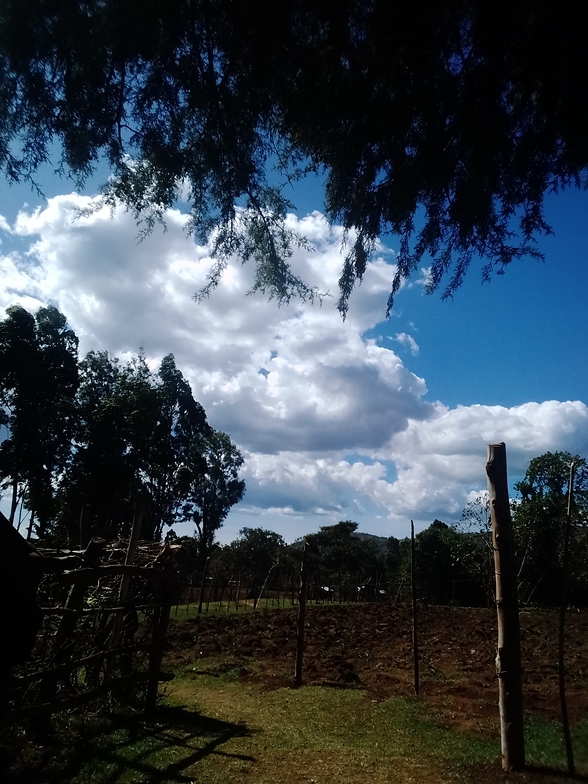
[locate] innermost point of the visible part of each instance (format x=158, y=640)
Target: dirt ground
x=370, y=646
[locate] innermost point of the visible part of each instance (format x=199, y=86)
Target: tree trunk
x=30, y=529
x=13, y=502
x=508, y=658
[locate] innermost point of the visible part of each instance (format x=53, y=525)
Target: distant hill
x=380, y=542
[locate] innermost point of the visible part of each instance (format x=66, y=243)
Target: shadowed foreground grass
x=214, y=728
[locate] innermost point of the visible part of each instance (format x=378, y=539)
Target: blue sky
x=371, y=420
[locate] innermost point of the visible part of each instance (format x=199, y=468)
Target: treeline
x=344, y=566
x=454, y=564
x=107, y=434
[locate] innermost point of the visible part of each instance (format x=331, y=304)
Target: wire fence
x=222, y=592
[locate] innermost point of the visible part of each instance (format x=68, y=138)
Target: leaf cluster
x=445, y=124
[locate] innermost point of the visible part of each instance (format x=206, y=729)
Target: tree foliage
x=454, y=564
x=106, y=434
x=341, y=557
x=254, y=554
x=475, y=550
x=341, y=551
x=135, y=428
x=38, y=383
x=209, y=479
x=538, y=522
x=441, y=573
x=443, y=123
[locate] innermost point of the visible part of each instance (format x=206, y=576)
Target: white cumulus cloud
x=332, y=425
x=406, y=340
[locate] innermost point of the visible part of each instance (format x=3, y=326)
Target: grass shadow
x=554, y=773
x=155, y=749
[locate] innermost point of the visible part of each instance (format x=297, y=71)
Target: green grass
x=183, y=612
x=213, y=727
x=544, y=743
x=334, y=728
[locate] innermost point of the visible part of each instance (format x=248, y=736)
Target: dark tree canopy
x=538, y=525
x=107, y=435
x=443, y=123
x=38, y=384
x=255, y=553
x=210, y=479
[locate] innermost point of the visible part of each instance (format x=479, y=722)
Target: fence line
x=82, y=653
x=223, y=592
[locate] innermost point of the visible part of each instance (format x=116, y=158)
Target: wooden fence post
x=272, y=567
x=160, y=624
x=415, y=640
x=565, y=597
x=238, y=598
x=84, y=526
x=301, y=617
x=64, y=635
x=125, y=582
x=202, y=586
x=508, y=657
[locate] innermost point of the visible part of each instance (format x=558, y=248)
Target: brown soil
x=370, y=646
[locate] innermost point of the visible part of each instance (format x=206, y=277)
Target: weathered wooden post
x=415, y=640
x=167, y=592
x=272, y=567
x=565, y=595
x=301, y=617
x=238, y=594
x=508, y=657
x=202, y=586
x=84, y=526
x=125, y=583
x=209, y=592
x=63, y=639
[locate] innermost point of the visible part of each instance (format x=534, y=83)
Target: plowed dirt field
x=370, y=646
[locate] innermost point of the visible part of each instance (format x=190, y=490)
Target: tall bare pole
x=415, y=640
x=508, y=657
x=301, y=617
x=203, y=585
x=565, y=590
x=84, y=526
